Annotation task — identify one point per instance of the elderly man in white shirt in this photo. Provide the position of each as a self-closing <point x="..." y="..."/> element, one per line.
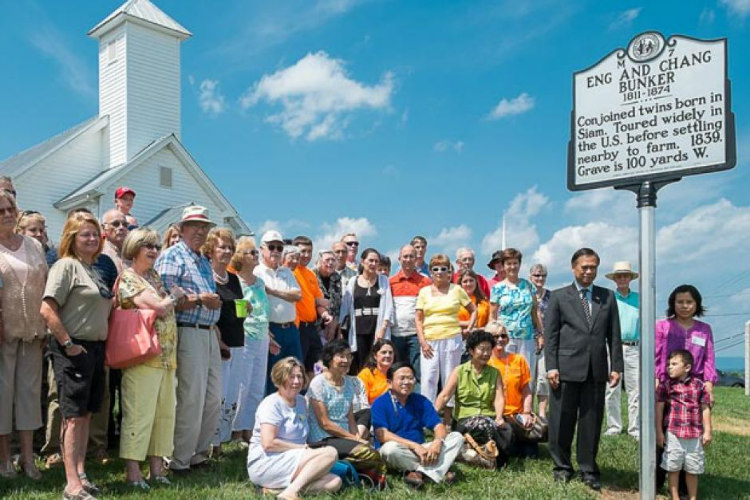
<point x="283" y="292"/>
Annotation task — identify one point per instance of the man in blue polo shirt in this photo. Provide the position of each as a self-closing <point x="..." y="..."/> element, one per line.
<point x="399" y="417"/>
<point x="627" y="306"/>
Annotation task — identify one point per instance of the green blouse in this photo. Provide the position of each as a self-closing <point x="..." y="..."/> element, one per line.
<point x="475" y="395"/>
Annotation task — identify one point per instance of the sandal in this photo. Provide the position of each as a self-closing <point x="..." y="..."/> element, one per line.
<point x="81" y="495"/>
<point x="161" y="479"/>
<point x="31" y="471"/>
<point x="139" y="485"/>
<point x="90" y="487"/>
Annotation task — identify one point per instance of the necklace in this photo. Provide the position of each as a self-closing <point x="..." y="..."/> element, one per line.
<point x="222" y="280"/>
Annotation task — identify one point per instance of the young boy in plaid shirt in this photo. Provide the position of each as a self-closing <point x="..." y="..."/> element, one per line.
<point x="688" y="419"/>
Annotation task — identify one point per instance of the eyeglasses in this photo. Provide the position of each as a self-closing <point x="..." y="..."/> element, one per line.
<point x="152" y="246"/>
<point x="104" y="290"/>
<point x="117" y="223"/>
<point x="440" y="269"/>
<point x="352" y="243"/>
<point x="538" y="275"/>
<point x="275" y="248"/>
<point x="28" y="212"/>
<point x="249" y="252"/>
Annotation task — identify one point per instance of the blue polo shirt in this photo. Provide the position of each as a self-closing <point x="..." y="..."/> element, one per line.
<point x="630" y="330"/>
<point x="406" y="421"/>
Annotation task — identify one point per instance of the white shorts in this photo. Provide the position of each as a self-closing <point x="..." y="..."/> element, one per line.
<point x="683" y="453"/>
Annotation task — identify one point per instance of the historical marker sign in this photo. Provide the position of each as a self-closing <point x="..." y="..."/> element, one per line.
<point x="658" y="110"/>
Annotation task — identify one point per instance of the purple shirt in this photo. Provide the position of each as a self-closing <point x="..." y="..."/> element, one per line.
<point x="698" y="339"/>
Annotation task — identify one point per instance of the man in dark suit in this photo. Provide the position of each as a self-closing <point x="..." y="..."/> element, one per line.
<point x="581" y="321"/>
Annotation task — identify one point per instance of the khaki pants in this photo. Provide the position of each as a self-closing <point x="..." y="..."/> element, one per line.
<point x="20" y="385"/>
<point x="398" y="456"/>
<point x="148" y="409"/>
<point x="198" y="396"/>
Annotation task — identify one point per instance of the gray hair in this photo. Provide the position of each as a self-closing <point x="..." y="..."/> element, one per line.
<point x="538" y="267"/>
<point x="323" y="253"/>
<point x="464" y="250"/>
<point x="289" y="250"/>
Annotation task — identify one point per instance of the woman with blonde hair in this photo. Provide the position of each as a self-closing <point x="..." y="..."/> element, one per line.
<point x="279" y="457"/>
<point x="171" y="236"/>
<point x="33" y="224"/>
<point x="148" y="389"/>
<point x="23" y="272"/>
<point x="76" y="308"/>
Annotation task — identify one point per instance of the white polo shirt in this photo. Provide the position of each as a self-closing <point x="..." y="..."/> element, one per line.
<point x="281" y="278"/>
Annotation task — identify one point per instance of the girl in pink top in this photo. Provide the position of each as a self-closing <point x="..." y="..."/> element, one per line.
<point x="682" y="331"/>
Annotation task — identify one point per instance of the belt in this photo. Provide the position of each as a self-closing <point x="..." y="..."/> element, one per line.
<point x="307" y="323"/>
<point x="181" y="324"/>
<point x="282" y="325"/>
<point x="635" y="342"/>
<point x="366" y="311"/>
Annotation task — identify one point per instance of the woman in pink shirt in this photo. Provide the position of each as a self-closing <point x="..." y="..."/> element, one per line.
<point x="682" y="331"/>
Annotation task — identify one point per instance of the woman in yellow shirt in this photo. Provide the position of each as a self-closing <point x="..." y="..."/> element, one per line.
<point x="373" y="374"/>
<point x="468" y="281"/>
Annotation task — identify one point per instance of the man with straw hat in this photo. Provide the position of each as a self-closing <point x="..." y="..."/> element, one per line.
<point x="627" y="306"/>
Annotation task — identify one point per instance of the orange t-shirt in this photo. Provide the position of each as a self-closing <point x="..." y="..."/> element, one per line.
<point x="375" y="383"/>
<point x="515" y="373"/>
<point x="483" y="312"/>
<point x="308" y="284"/>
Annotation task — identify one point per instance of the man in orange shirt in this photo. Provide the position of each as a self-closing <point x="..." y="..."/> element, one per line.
<point x="310" y="307"/>
<point x="405" y="286"/>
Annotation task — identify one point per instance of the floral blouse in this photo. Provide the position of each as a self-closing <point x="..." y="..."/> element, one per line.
<point x="515" y="306"/>
<point x="166" y="328"/>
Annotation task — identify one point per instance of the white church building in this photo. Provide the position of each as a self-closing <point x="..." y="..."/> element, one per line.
<point x="135" y="139"/>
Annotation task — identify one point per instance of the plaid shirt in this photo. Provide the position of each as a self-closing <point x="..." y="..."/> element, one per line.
<point x="333" y="292"/>
<point x="178" y="265"/>
<point x="683" y="400"/>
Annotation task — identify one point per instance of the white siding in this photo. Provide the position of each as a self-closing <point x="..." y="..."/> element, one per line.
<point x="151" y="198"/>
<point x="153" y="86"/>
<point x="40" y="187"/>
<point x="112" y="94"/>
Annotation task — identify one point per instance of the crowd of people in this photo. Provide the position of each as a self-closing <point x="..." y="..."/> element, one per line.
<point x="323" y="369"/>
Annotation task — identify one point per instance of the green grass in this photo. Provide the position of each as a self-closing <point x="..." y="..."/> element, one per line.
<point x="727" y="472"/>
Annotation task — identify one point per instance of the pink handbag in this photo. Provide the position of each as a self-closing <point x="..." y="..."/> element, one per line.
<point x="132" y="338"/>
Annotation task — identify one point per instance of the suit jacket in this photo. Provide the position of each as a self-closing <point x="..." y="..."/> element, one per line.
<point x="571" y="345"/>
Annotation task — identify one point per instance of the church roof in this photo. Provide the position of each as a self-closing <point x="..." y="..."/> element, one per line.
<point x="140" y="11"/>
<point x="20" y="162"/>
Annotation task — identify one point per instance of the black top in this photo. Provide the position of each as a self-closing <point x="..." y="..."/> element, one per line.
<point x="366" y="303"/>
<point x="230" y="326"/>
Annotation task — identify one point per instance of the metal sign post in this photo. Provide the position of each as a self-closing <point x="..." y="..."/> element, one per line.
<point x="643" y="117"/>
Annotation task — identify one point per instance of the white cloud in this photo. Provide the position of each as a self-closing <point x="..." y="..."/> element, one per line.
<point x="451" y="239"/>
<point x="317" y="96"/>
<point x="514" y="106"/>
<point x="520" y="232"/>
<point x="73" y="70"/>
<point x="331" y="233"/>
<point x="738" y="7"/>
<point x="210" y="99"/>
<point x="708" y="233"/>
<point x="625" y="18"/>
<point x="448" y="145"/>
<point x="268" y="225"/>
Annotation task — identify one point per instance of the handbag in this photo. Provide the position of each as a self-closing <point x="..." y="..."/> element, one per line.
<point x="131" y="338"/>
<point x="536" y="434"/>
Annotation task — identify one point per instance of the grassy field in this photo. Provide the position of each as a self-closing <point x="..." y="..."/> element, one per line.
<point x="727" y="472"/>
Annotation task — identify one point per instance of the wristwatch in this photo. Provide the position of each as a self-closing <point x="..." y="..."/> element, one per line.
<point x="68" y="343"/>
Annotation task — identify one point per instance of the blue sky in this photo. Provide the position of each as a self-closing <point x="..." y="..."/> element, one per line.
<point x="397" y="118"/>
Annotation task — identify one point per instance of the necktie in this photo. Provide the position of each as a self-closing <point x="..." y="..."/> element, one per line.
<point x="586" y="306"/>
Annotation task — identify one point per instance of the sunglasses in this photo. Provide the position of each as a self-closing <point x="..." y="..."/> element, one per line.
<point x="28" y="212"/>
<point x="352" y="243"/>
<point x="249" y="252"/>
<point x="118" y="223"/>
<point x="538" y="275"/>
<point x="152" y="246"/>
<point x="275" y="248"/>
<point x="441" y="269"/>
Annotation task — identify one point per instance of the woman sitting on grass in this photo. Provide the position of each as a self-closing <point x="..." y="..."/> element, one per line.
<point x="278" y="457"/>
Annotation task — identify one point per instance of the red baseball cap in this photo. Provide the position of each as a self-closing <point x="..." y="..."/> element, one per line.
<point x="122" y="191"/>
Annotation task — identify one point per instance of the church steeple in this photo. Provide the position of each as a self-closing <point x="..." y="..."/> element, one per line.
<point x="139" y="76"/>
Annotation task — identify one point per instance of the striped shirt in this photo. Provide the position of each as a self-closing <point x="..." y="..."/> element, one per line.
<point x="179" y="265"/>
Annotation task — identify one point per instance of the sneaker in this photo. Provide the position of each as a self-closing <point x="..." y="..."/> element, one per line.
<point x="612" y="432"/>
<point x="7" y="470"/>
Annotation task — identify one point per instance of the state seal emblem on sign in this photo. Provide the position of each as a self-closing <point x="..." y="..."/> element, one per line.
<point x="645" y="46"/>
